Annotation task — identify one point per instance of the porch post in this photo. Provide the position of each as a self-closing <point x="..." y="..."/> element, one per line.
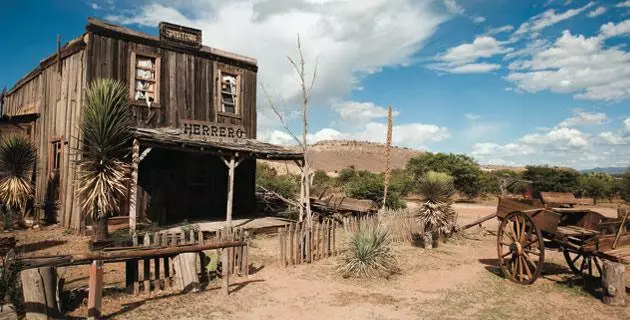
<point x="133" y="194"/>
<point x="230" y="199"/>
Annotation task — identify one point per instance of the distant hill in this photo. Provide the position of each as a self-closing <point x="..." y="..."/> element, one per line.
<point x="609" y="170"/>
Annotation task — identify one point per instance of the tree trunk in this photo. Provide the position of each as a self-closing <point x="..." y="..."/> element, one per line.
<point x="613" y="284"/>
<point x="186" y="277"/>
<point x="99" y="229"/>
<point x="40" y="293"/>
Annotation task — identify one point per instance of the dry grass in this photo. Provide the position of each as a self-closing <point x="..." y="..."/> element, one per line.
<point x="402" y="225"/>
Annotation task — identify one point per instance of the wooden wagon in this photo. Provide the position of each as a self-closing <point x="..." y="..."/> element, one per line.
<point x="585" y="237"/>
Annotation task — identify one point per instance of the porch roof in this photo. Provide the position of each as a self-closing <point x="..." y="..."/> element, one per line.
<point x="173" y="138"/>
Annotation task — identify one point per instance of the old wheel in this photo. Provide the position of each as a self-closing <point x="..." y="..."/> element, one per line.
<point x="521" y="248"/>
<point x="583" y="263"/>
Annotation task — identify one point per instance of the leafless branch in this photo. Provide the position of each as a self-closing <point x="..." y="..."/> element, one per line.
<point x="279" y="115"/>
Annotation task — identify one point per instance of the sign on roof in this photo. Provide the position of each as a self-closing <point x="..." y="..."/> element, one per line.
<point x="212" y="130"/>
<point x="180" y="35"/>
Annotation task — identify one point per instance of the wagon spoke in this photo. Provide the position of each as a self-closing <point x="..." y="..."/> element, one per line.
<point x="590" y="266"/>
<point x="506" y="254"/>
<point x="599" y="268"/>
<point x="583" y="264"/>
<point x="532" y="252"/>
<point x="527" y="245"/>
<point x="527" y="270"/>
<point x="576" y="258"/>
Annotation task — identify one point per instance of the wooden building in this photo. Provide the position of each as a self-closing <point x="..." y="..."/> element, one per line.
<point x="195" y="114"/>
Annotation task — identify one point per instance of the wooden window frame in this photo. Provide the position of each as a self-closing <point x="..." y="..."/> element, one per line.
<point x="239" y="94"/>
<point x="51" y="160"/>
<point x="132" y="77"/>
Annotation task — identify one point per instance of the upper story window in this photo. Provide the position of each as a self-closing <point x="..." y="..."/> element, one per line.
<point x="145" y="78"/>
<point x="229" y="88"/>
<point x="229" y="93"/>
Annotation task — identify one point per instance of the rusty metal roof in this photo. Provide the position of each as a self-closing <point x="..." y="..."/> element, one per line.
<point x="174" y="138"/>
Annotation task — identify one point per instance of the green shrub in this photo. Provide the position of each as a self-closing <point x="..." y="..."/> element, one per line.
<point x="287" y="186"/>
<point x="371" y="186"/>
<point x="436" y="213"/>
<point x="552" y="179"/>
<point x="464" y="170"/>
<point x="320" y="182"/>
<point x="625" y="186"/>
<point x="368" y="253"/>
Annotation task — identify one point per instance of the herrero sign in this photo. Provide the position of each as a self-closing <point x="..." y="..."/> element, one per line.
<point x="180" y="35"/>
<point x="212" y="130"/>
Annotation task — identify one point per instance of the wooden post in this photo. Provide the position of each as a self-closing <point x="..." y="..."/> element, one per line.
<point x="147" y="265"/>
<point x="225" y="274"/>
<point x="186" y="278"/>
<point x="613" y="284"/>
<point x="133" y="193"/>
<point x="246" y="254"/>
<point x="40" y="293"/>
<point x="96" y="290"/>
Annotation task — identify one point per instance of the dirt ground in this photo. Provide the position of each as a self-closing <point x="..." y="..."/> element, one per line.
<point x="458" y="280"/>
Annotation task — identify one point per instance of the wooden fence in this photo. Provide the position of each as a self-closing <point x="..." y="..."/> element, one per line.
<point x="157" y="273"/>
<point x="298" y="246"/>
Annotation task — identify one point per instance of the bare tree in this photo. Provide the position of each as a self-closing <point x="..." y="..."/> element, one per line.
<point x="299" y="67"/>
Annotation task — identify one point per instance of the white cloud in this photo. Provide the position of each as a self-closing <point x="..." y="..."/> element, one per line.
<point x="577" y="64"/>
<point x="546" y="19"/>
<point x="471" y="116"/>
<point x="95" y="6"/>
<point x="610" y="29"/>
<point x="626" y="125"/>
<point x="360" y="112"/>
<point x="597" y="12"/>
<point x="609" y="137"/>
<point x="463" y="58"/>
<point x="625" y="4"/>
<point x="351" y="38"/>
<point x="478" y="19"/>
<point x="453" y="7"/>
<point x="584" y="118"/>
<point x="501" y="29"/>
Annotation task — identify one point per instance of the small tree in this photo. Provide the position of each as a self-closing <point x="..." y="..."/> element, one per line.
<point x="625" y="186"/>
<point x="436" y="213"/>
<point x="596" y="185"/>
<point x="17" y="157"/>
<point x="463" y="169"/>
<point x="104" y="168"/>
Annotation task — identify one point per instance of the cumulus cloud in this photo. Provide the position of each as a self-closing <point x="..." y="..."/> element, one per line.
<point x="351" y="38"/>
<point x="546" y="19"/>
<point x="360" y="112"/>
<point x="501" y="29"/>
<point x="464" y="58"/>
<point x="597" y="12"/>
<point x="578" y="64"/>
<point x="453" y="7"/>
<point x="584" y="118"/>
<point x="478" y="19"/>
<point x="625" y="4"/>
<point x="413" y="135"/>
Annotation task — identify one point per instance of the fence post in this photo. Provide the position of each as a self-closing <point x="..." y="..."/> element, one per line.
<point x="96" y="290"/>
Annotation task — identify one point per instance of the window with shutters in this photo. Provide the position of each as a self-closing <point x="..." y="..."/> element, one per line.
<point x="145" y="78"/>
<point x="54" y="168"/>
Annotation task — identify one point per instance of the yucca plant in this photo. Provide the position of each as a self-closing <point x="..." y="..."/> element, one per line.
<point x="368" y="253"/>
<point x="104" y="167"/>
<point x="17" y="157"/>
<point x="436" y="212"/>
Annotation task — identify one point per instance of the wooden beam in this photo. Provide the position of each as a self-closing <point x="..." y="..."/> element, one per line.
<point x="133" y="194"/>
<point x="145" y="153"/>
<point x="58" y="53"/>
<point x="230" y="199"/>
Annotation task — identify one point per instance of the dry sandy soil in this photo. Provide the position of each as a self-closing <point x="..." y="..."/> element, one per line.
<point x="459" y="280"/>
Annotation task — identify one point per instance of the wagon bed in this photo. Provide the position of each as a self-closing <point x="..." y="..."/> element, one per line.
<point x="585" y="237"/>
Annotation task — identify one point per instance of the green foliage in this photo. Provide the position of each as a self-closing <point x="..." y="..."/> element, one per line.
<point x="436" y="213"/>
<point x="17" y="157"/>
<point x="490" y="182"/>
<point x="345" y="175"/>
<point x="625" y="186"/>
<point x="552" y="179"/>
<point x="320" y="182"/>
<point x="597" y="185"/>
<point x="287" y="186"/>
<point x="368" y="253"/>
<point x="464" y="170"/>
<point x="371" y="186"/>
<point x="103" y="168"/>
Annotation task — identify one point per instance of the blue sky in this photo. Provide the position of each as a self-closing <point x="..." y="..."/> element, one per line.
<point x="508" y="82"/>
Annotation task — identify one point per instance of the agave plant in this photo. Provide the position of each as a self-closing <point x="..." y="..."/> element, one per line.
<point x="17" y="157"/>
<point x="368" y="253"/>
<point x="104" y="168"/>
<point x="436" y="213"/>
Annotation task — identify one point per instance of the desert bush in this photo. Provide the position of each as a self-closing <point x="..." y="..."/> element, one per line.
<point x="17" y="157"/>
<point x="464" y="170"/>
<point x="371" y="186"/>
<point x="553" y="179"/>
<point x="368" y="253"/>
<point x="435" y="213"/>
<point x="320" y="183"/>
<point x="596" y="185"/>
<point x="287" y="186"/>
<point x="625" y="186"/>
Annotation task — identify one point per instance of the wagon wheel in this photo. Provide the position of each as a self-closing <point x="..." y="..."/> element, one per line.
<point x="521" y="248"/>
<point x="583" y="263"/>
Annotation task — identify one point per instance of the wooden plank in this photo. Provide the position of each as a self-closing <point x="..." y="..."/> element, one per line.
<point x="96" y="290"/>
<point x="291" y="244"/>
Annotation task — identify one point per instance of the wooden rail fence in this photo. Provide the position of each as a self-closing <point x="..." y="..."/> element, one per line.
<point x="157" y="273"/>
